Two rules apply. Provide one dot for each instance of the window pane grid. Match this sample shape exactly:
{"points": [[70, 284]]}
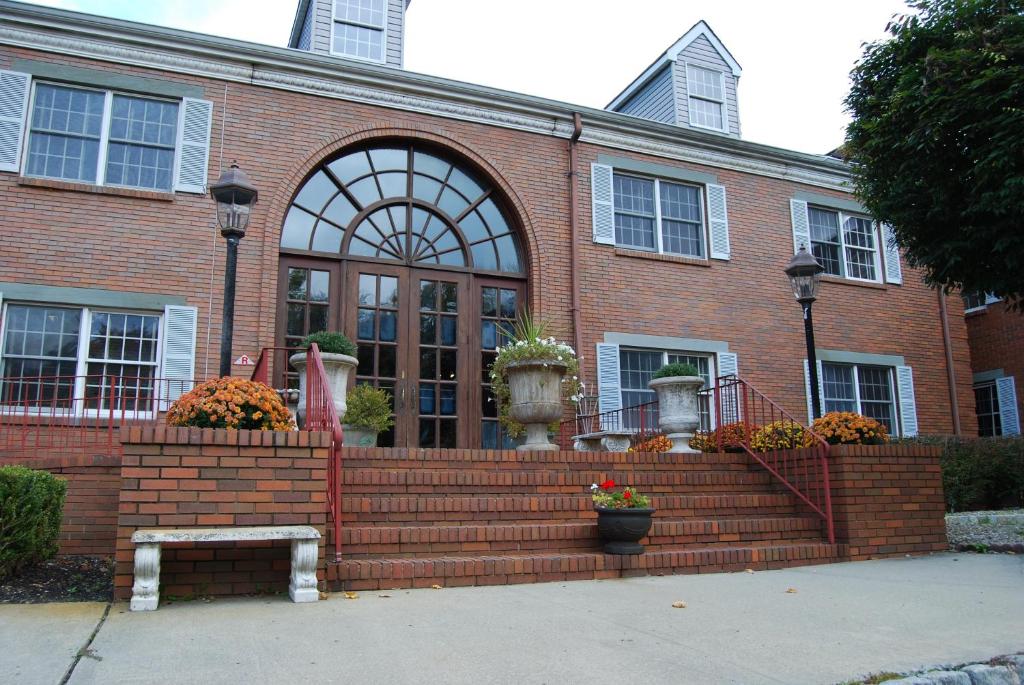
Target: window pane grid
{"points": [[358, 41], [848, 252], [704, 83], [642, 204], [706, 113], [370, 12], [865, 390], [986, 404]]}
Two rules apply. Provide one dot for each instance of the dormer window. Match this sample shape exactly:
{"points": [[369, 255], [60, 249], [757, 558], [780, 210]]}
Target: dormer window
{"points": [[706, 97], [359, 27]]}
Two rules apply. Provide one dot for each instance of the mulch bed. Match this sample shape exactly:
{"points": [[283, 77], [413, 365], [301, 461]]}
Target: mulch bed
{"points": [[61, 579]]}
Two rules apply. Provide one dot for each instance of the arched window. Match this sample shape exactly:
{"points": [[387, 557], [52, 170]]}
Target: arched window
{"points": [[401, 203]]}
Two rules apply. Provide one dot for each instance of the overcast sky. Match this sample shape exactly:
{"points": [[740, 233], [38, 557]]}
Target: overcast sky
{"points": [[796, 54]]}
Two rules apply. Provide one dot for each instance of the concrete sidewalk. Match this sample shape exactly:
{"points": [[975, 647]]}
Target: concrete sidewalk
{"points": [[844, 620]]}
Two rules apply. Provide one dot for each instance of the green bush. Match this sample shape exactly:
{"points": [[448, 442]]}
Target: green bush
{"points": [[330, 343], [368, 408], [31, 505], [980, 473], [676, 369]]}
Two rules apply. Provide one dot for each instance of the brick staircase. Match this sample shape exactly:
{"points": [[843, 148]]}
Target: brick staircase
{"points": [[416, 518]]}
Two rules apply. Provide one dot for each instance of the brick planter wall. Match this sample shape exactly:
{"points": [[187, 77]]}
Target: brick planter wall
{"points": [[887, 500], [190, 477], [89, 525]]}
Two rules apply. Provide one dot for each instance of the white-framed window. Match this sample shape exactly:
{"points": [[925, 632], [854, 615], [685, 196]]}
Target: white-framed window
{"points": [[359, 29], [974, 302], [659, 216], [636, 370], [860, 388], [101, 137], [706, 97], [78, 360], [847, 245], [986, 406]]}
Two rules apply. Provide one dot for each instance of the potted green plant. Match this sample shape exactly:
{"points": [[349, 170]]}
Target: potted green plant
{"points": [[338, 354], [623, 517], [529, 377], [678, 415], [368, 413]]}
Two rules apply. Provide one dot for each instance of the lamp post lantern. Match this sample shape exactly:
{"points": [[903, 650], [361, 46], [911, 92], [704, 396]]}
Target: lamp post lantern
{"points": [[235, 195], [804, 273]]}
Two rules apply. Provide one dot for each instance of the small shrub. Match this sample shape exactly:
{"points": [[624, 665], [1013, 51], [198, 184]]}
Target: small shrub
{"points": [[234, 403], [31, 506], [368, 408], [733, 437], [676, 369], [628, 498], [330, 343], [980, 473], [778, 435], [659, 443], [849, 428]]}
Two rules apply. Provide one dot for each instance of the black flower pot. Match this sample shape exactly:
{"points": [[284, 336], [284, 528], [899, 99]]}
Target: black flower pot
{"points": [[622, 529]]}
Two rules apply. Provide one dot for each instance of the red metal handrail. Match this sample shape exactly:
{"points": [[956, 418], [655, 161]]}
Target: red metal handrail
{"points": [[802, 469], [321, 415], [266, 363], [79, 415]]}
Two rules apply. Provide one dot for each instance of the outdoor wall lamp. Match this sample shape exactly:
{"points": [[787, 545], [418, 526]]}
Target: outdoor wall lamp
{"points": [[804, 273], [235, 195]]}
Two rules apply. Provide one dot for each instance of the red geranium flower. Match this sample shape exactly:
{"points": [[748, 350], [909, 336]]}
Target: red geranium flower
{"points": [[627, 495], [608, 485]]}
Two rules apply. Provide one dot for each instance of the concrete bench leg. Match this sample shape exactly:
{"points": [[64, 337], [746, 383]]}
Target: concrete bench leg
{"points": [[302, 586], [146, 590]]}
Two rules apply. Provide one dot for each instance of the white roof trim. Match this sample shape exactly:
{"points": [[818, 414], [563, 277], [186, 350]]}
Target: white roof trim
{"points": [[701, 28]]}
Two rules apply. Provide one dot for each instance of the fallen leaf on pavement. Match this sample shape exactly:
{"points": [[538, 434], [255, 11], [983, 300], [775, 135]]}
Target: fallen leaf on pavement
{"points": [[384, 596], [750, 570], [325, 595], [791, 591], [436, 587], [679, 605], [351, 595]]}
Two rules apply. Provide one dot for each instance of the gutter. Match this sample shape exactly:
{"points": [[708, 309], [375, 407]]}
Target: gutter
{"points": [[947, 343]]}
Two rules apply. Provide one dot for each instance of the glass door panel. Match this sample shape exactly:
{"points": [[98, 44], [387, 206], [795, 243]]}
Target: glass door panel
{"points": [[500, 302], [439, 355]]}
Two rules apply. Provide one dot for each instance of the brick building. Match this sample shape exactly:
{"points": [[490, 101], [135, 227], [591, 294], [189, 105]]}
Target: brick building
{"points": [[996, 337], [418, 214]]}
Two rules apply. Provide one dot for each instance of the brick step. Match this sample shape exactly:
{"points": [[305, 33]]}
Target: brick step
{"points": [[414, 541], [419, 509], [478, 482], [502, 460], [451, 571]]}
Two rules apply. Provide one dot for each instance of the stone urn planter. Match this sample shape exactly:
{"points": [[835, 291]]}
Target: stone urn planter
{"points": [[337, 367], [622, 529], [356, 436], [678, 414], [535, 399]]}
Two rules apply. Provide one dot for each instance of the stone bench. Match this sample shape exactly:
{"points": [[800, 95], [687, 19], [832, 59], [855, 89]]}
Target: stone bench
{"points": [[302, 586], [603, 441]]}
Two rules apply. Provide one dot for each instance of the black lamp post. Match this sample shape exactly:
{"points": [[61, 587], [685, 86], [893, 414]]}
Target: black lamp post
{"points": [[804, 273], [235, 196]]}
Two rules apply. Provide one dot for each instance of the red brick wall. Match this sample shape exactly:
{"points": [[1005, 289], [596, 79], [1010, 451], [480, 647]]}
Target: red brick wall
{"points": [[887, 500], [997, 342], [278, 137], [89, 525], [182, 477]]}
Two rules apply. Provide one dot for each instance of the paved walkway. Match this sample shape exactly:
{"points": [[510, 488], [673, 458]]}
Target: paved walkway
{"points": [[844, 620]]}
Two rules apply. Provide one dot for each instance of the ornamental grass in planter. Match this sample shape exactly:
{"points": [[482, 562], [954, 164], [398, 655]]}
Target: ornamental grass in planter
{"points": [[232, 403], [678, 414], [368, 413], [623, 517], [530, 377], [338, 355]]}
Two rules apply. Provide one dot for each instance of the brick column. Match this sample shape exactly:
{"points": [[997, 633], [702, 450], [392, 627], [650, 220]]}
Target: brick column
{"points": [[887, 499], [196, 478]]}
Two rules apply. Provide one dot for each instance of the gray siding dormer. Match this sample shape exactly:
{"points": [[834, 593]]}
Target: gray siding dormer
{"points": [[701, 53], [656, 100], [315, 26], [698, 49]]}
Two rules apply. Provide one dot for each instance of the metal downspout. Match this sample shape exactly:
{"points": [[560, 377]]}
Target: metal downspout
{"points": [[947, 343], [577, 130]]}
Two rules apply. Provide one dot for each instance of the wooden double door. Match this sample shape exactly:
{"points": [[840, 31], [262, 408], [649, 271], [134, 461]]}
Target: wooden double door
{"points": [[427, 336]]}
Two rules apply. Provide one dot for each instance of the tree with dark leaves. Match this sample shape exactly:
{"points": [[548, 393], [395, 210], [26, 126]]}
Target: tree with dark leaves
{"points": [[937, 141]]}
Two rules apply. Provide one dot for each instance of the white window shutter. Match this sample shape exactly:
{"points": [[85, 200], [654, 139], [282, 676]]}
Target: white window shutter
{"points": [[893, 270], [193, 145], [728, 365], [179, 350], [603, 204], [609, 397], [908, 405], [801, 225], [718, 221], [991, 299], [807, 391], [1007, 396], [14, 89]]}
